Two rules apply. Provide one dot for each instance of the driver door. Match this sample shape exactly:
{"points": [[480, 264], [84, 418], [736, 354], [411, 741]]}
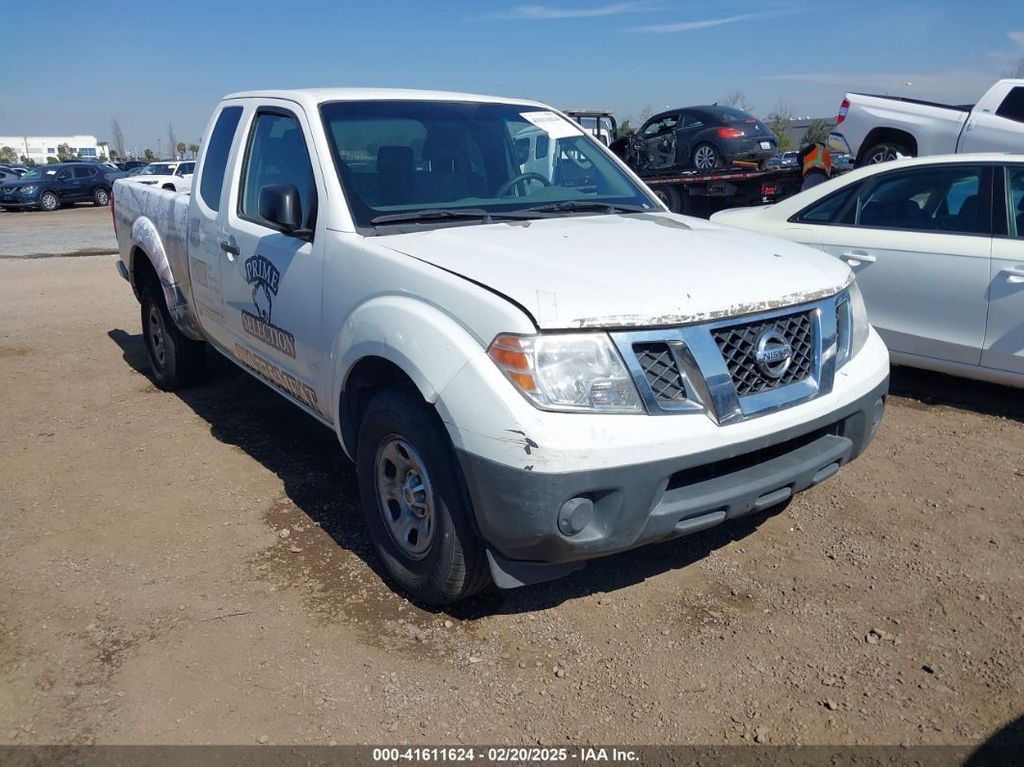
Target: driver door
{"points": [[271, 280], [660, 137]]}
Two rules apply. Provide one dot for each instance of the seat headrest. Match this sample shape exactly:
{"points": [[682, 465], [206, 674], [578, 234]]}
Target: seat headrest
{"points": [[444, 143], [395, 159]]}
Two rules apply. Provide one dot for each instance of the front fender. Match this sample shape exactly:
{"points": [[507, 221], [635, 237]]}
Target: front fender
{"points": [[418, 338]]}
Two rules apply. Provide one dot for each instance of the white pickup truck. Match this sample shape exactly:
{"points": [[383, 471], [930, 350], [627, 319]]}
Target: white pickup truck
{"points": [[879, 128], [531, 368]]}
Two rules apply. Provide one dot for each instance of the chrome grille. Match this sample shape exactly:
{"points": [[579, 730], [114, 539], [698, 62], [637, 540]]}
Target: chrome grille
{"points": [[737, 342], [661, 372]]}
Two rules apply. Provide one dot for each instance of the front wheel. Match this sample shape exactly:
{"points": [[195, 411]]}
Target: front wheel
{"points": [[705, 157], [415, 503], [48, 201], [101, 197], [174, 359]]}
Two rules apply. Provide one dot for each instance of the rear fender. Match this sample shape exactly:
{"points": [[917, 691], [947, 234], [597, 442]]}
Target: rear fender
{"points": [[146, 243]]}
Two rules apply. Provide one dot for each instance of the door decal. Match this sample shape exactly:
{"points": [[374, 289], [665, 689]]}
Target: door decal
{"points": [[264, 278]]}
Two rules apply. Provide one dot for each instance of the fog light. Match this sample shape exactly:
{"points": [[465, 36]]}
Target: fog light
{"points": [[574, 515]]}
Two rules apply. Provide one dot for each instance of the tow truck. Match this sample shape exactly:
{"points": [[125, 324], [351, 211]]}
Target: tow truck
{"points": [[694, 192]]}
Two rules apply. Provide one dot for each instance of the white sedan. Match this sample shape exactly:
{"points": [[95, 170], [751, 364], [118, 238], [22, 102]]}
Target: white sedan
{"points": [[937, 244], [175, 176]]}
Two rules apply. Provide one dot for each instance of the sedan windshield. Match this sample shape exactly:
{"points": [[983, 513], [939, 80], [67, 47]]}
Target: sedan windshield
{"points": [[429, 163], [156, 170]]}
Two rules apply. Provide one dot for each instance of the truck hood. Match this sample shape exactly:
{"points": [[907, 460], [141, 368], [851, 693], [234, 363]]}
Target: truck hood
{"points": [[635, 270]]}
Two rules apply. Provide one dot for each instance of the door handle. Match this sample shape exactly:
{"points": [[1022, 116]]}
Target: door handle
{"points": [[229, 247], [854, 258], [1013, 274]]}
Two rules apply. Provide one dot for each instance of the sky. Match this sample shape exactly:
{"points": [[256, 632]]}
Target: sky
{"points": [[72, 67]]}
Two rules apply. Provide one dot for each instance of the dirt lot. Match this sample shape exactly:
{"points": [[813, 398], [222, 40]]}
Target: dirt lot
{"points": [[147, 594], [81, 230]]}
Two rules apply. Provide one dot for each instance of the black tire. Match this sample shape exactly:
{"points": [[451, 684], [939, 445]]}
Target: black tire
{"points": [[884, 151], [101, 197], [670, 197], [174, 360], [452, 564], [49, 201], [705, 157]]}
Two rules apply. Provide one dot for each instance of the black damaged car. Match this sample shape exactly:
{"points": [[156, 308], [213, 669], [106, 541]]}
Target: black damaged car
{"points": [[699, 138]]}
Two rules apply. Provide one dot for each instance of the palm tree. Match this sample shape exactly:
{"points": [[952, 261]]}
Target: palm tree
{"points": [[193, 150]]}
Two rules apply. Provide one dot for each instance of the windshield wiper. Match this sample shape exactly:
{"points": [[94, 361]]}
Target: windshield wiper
{"points": [[432, 214], [583, 206]]}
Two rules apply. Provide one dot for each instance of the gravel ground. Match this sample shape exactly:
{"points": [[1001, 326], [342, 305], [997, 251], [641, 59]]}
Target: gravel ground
{"points": [[190, 569], [81, 230]]}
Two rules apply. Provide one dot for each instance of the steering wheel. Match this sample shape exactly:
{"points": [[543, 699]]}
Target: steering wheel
{"points": [[512, 182]]}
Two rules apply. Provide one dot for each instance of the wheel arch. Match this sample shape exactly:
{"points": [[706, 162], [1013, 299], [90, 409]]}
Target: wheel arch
{"points": [[395, 340], [878, 135]]}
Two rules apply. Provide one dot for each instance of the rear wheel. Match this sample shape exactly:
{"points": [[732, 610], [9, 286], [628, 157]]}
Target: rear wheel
{"points": [[705, 157], [101, 197], [414, 501], [48, 201], [885, 151], [174, 359]]}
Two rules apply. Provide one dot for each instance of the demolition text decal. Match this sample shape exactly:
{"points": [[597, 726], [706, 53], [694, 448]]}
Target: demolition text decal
{"points": [[264, 278], [285, 381]]}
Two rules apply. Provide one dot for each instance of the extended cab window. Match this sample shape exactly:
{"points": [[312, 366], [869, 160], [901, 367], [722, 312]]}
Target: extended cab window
{"points": [[940, 198], [216, 159], [1012, 107], [277, 155]]}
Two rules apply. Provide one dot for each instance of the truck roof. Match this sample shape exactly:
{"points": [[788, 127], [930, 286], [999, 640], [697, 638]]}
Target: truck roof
{"points": [[322, 95]]}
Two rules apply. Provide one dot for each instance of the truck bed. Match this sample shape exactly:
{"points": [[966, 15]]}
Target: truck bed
{"points": [[921, 102]]}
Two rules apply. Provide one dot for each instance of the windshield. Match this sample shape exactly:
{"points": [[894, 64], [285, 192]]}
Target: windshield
{"points": [[37, 174], [406, 157], [156, 170]]}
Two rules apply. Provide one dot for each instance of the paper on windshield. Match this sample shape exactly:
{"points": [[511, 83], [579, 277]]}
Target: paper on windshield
{"points": [[556, 127]]}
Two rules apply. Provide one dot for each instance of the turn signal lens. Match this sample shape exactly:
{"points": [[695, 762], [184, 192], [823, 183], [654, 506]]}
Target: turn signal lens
{"points": [[571, 372]]}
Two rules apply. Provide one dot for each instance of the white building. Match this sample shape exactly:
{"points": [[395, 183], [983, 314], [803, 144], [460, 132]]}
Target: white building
{"points": [[39, 148]]}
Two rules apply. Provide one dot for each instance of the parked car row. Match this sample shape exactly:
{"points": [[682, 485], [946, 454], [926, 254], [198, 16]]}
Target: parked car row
{"points": [[48, 187]]}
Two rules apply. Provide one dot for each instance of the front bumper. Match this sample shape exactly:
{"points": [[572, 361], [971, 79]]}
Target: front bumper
{"points": [[19, 202], [526, 517]]}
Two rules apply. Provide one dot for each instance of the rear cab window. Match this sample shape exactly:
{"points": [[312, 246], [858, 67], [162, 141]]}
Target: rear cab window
{"points": [[216, 159]]}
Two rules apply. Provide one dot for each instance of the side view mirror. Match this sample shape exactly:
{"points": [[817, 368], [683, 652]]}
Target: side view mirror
{"points": [[280, 204]]}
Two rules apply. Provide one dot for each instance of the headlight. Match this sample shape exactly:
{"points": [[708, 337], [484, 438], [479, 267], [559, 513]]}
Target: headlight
{"points": [[852, 322], [28, 189], [572, 372]]}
